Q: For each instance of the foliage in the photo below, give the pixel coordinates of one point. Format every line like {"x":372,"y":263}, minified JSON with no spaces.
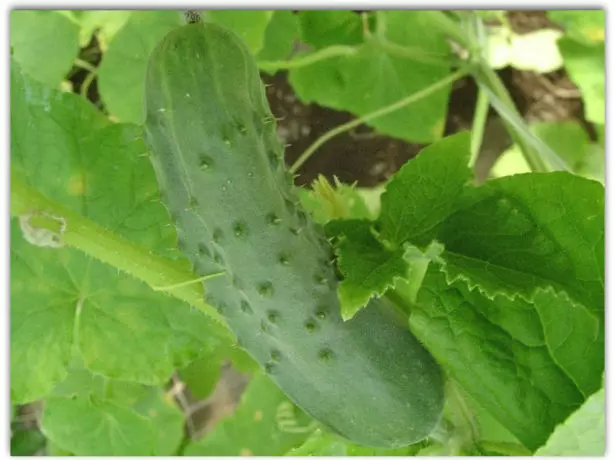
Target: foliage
{"x":502,"y":281}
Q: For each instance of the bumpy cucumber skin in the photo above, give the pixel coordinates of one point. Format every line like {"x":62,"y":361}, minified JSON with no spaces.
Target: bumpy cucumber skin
{"x":219,"y":165}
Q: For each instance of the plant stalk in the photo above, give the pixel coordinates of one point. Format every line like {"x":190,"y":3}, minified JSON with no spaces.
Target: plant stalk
{"x":538,"y":155}
{"x":302,"y":61}
{"x":83,"y":234}
{"x":478,"y":125}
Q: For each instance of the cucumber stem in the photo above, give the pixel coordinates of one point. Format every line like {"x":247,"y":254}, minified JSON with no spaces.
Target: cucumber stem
{"x":478,"y":125}
{"x":376,"y":114}
{"x":87,"y":81}
{"x":104,"y":245}
{"x":312,"y":58}
{"x":539,"y":156}
{"x":406,"y":52}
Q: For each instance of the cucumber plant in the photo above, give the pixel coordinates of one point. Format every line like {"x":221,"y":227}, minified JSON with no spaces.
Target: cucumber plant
{"x":220,"y":169}
{"x":157,"y":234}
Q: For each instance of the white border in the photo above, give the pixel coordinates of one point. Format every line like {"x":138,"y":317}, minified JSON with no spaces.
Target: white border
{"x":313,"y":4}
{"x":229,"y":4}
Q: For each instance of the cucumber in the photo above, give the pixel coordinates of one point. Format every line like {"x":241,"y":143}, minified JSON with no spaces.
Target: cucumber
{"x":220,"y":169}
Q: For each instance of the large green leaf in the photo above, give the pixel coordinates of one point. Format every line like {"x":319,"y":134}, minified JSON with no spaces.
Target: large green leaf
{"x":575,"y":337}
{"x":90,"y":415}
{"x":375,"y":77}
{"x":44,"y":43}
{"x":121,"y":75}
{"x":60,"y":298}
{"x":421,"y":195}
{"x":519,"y":233}
{"x":473,"y":426}
{"x":495,"y":349}
{"x":586,"y":67}
{"x":250,"y":25}
{"x":281,"y":31}
{"x":586,"y":26}
{"x":416,"y":201}
{"x":102,"y":23}
{"x":322,"y":28}
{"x":582,"y":434}
{"x":264,"y":423}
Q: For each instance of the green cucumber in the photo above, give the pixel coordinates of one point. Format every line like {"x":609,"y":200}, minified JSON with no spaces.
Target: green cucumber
{"x":219,"y":165}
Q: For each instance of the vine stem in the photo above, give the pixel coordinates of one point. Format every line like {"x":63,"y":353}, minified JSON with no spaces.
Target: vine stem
{"x":376,"y":114}
{"x":478,"y":125}
{"x":104,"y":245}
{"x":87,"y":81}
{"x":320,"y":55}
{"x":406,"y":52}
{"x":539,"y":156}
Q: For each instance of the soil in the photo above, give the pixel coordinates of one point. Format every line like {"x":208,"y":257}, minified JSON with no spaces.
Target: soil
{"x":368,"y":159}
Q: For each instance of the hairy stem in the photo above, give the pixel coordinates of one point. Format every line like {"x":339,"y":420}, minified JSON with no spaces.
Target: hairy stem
{"x":478,"y":125}
{"x":376,"y":114}
{"x":87,"y":81}
{"x":415,"y":54}
{"x":99,"y":243}
{"x":537,"y":154}
{"x":302,"y":61}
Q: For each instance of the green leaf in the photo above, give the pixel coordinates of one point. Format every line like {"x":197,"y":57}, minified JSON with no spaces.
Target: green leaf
{"x":320,"y":444}
{"x":264,"y":423}
{"x":60,"y":297}
{"x":354,"y":450}
{"x":44,"y":43}
{"x":473,"y":424}
{"x":585,"y":66}
{"x":241,"y":359}
{"x":369,"y":268}
{"x":250,"y":25}
{"x":26,"y":443}
{"x":374,"y":78}
{"x":416,"y":201}
{"x":121,"y":75}
{"x":96,"y":416}
{"x":418,"y":262}
{"x":63,"y":299}
{"x":281,"y":31}
{"x":569,"y":139}
{"x":585,"y":26}
{"x":421,"y":195}
{"x":575,"y":337}
{"x":582,"y":434}
{"x":495,"y":349}
{"x":105,"y":24}
{"x":520,"y":233}
{"x":322,"y":28}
